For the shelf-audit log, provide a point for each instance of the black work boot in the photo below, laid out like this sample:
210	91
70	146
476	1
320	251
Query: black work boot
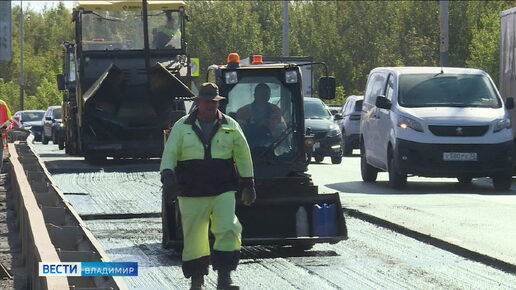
224	281
197	283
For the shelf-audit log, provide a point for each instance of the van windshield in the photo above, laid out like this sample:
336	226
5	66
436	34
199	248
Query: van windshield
447	90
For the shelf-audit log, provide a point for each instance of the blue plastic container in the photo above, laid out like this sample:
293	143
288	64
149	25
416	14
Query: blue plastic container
324	220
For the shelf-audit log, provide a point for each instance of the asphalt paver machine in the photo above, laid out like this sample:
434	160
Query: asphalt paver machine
289	209
122	77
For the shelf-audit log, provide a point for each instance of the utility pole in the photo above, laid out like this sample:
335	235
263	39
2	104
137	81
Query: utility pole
146	36
443	23
285	48
21	57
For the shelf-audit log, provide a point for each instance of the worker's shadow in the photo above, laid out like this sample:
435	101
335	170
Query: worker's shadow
153	255
146	254
274	252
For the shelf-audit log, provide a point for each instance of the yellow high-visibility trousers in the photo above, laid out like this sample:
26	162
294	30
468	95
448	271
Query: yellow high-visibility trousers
196	215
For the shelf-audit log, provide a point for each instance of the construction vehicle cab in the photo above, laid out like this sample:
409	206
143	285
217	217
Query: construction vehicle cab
123	77
287	200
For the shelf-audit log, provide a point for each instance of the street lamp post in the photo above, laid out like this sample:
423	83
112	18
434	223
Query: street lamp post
285	48
21	56
443	23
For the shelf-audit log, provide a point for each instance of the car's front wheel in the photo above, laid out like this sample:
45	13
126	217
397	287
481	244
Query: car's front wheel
336	159
347	149
44	139
54	136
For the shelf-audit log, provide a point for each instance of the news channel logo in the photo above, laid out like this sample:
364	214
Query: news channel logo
86	269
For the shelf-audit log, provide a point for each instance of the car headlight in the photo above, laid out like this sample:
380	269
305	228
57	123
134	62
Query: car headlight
405	123
27	127
61	125
502	124
334	130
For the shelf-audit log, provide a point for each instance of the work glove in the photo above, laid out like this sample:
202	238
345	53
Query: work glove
246	190
169	184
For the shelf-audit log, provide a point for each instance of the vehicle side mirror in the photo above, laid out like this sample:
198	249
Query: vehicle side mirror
60	82
509	103
48	118
333	112
383	103
338	116
327	88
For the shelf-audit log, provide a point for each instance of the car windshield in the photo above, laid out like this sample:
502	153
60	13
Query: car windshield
316	110
57	113
447	90
123	30
358	106
32	116
263	107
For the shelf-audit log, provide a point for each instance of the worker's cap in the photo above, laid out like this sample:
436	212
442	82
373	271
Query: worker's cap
209	91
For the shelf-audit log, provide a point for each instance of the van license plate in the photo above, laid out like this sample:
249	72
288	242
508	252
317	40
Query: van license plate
460	156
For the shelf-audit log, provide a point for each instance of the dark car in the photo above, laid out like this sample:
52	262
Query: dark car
334	109
30	120
327	135
52	125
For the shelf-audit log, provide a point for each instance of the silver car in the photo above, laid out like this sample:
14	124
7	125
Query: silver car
350	124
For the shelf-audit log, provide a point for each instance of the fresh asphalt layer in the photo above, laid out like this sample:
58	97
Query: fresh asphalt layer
373	257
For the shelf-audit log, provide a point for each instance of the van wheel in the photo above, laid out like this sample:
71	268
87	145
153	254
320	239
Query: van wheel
502	182
319	159
368	172
464	180
396	179
61	144
336	159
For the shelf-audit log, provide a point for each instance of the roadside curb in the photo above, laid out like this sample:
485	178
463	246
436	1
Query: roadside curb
436	242
50	216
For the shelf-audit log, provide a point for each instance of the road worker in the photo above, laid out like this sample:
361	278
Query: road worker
169	34
5	115
206	161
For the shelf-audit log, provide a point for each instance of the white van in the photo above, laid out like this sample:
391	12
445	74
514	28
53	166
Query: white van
435	122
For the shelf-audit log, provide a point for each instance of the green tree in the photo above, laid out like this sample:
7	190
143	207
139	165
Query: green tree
44	33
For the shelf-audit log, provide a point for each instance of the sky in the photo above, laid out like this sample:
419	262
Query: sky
38	5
